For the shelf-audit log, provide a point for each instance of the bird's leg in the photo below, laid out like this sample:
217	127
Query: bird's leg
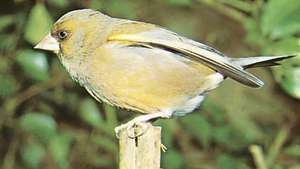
140	121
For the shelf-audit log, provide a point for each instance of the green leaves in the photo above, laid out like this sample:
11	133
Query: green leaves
179	2
186	29
7	85
5	21
121	8
32	155
41	126
253	35
59	147
96	4
38	25
295	167
59	3
287	74
225	161
172	159
34	64
281	18
198	126
169	129
293	150
89	112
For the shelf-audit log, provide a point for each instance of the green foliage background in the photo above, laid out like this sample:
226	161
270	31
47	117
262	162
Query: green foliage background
47	121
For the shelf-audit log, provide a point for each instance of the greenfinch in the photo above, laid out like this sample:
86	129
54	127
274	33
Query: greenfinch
143	67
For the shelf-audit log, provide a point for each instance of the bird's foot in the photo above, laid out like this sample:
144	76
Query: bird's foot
133	129
138	126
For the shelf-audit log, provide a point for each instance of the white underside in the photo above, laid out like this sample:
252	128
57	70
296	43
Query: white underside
189	106
194	102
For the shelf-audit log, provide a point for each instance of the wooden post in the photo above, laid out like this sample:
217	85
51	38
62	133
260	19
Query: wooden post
142	152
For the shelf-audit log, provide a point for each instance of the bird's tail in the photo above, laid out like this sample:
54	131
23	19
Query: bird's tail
259	61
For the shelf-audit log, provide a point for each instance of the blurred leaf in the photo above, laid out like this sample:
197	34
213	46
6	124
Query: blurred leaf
281	18
278	166
288	75
253	35
34	64
105	143
121	8
288	26
5	21
293	150
227	162
297	166
179	2
111	115
96	4
186	29
230	137
7	85
40	125
32	155
59	3
276	147
239	113
89	112
5	65
216	111
38	25
198	126
73	98
169	129
172	159
103	162
286	46
60	148
9	43
223	135
244	127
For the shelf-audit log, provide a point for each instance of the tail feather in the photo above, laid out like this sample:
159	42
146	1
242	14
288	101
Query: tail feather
260	61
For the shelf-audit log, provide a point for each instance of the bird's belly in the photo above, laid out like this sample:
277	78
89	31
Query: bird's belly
189	106
148	83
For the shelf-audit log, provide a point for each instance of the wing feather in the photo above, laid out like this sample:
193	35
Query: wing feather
192	50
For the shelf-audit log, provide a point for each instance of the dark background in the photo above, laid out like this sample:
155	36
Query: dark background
47	121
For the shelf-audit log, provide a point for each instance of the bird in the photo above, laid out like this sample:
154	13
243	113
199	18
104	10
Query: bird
143	67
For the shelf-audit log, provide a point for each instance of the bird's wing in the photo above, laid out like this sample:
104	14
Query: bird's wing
148	34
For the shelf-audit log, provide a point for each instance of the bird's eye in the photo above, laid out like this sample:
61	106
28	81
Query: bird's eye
62	35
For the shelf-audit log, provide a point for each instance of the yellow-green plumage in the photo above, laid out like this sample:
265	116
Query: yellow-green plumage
143	79
140	66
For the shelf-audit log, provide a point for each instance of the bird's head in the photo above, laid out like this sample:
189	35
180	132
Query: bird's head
74	32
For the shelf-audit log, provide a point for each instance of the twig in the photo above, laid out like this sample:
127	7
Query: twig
276	146
39	88
9	158
241	5
225	10
9	107
258	157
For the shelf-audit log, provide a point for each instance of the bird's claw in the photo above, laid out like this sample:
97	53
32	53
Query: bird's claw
163	148
118	130
133	129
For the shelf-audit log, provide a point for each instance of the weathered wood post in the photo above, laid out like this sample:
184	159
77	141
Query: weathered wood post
142	152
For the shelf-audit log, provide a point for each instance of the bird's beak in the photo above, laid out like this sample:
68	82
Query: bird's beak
48	43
